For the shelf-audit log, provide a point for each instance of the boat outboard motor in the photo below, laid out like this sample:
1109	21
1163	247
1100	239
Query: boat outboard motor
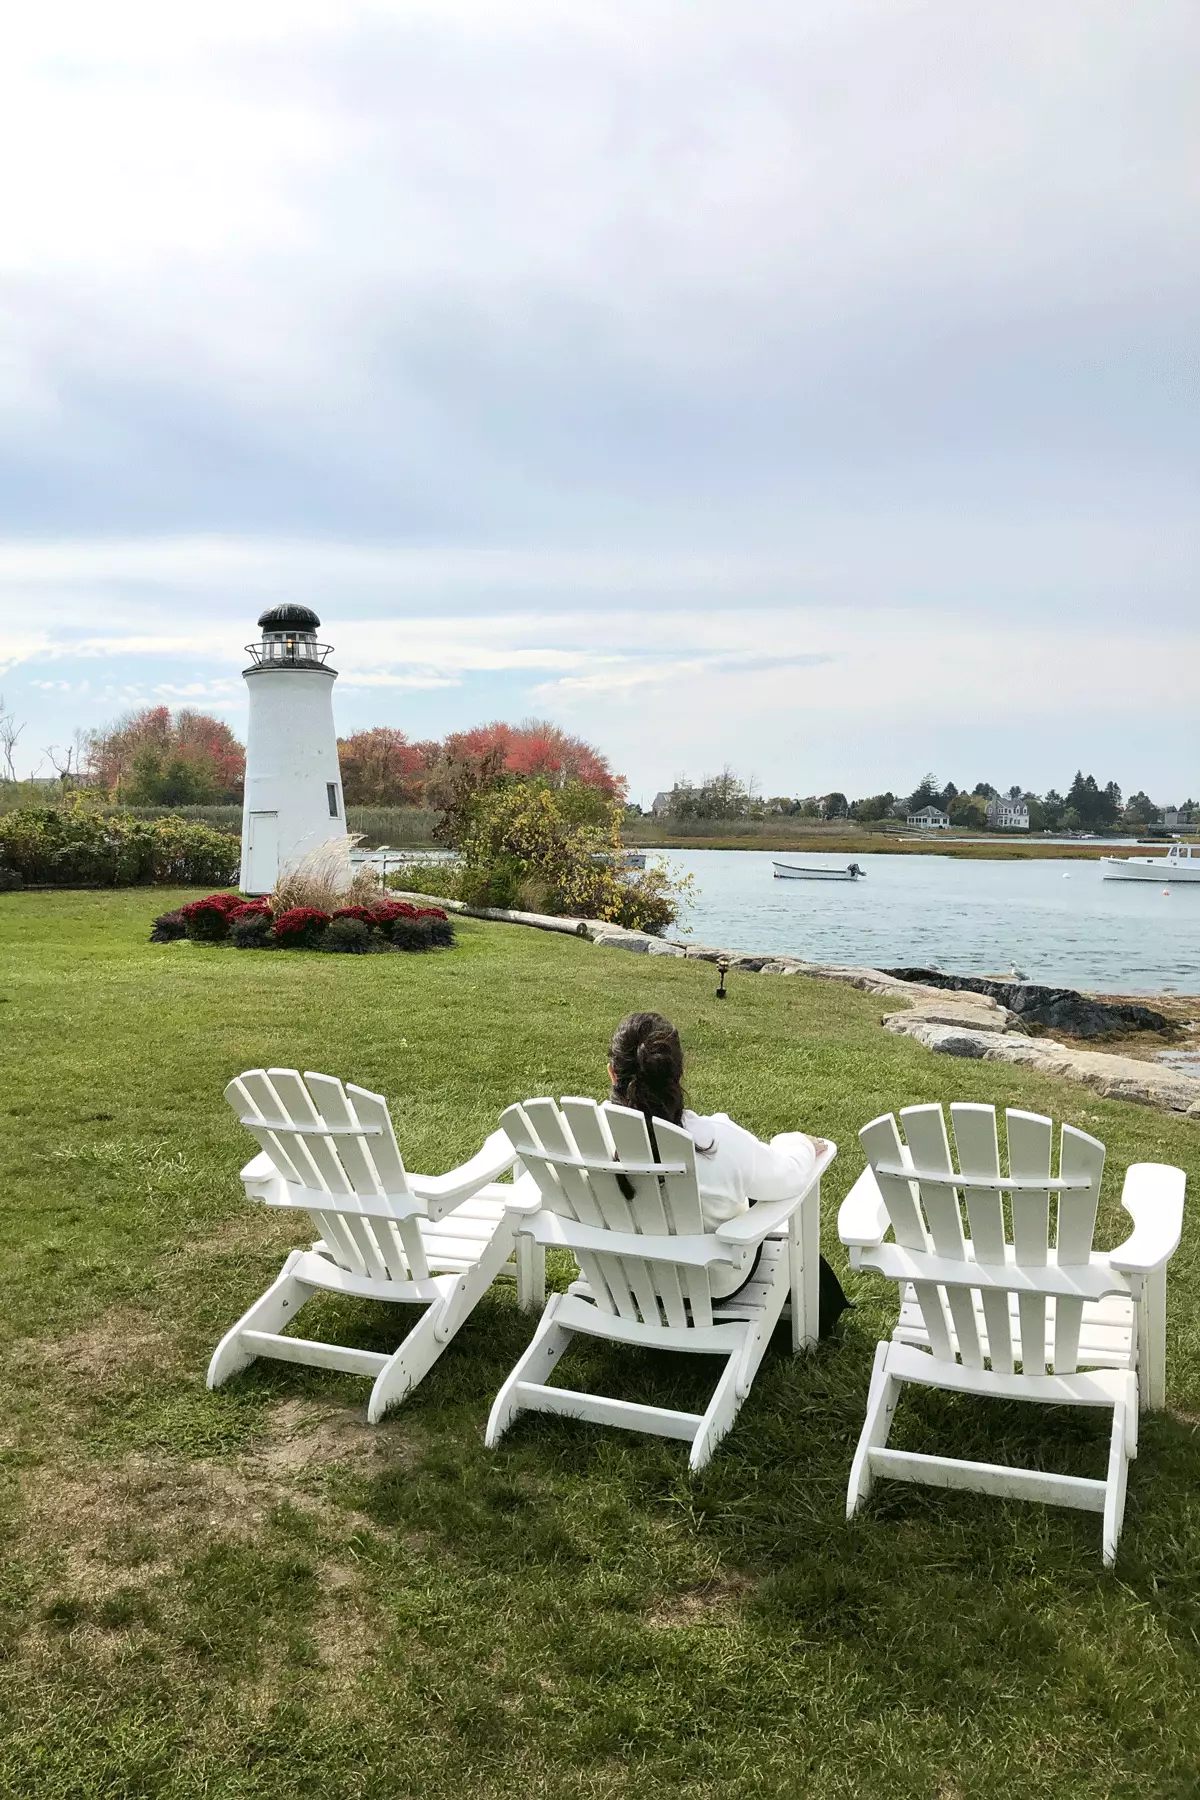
856	871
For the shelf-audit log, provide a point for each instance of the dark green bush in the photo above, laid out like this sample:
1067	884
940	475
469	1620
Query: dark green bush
10	881
350	937
168	927
76	846
251	930
421	934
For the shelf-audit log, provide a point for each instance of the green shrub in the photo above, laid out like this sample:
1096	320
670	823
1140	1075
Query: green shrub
251	929
77	846
421	933
532	846
349	937
168	927
443	878
10	881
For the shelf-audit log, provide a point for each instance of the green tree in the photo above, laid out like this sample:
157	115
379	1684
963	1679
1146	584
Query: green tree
968	810
545	848
876	806
1140	811
926	793
160	779
1096	808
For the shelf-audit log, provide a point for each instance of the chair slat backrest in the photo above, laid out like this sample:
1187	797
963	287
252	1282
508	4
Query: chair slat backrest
337	1144
926	1211
569	1151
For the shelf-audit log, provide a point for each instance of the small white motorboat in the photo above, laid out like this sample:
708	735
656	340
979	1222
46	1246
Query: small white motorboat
1180	864
806	872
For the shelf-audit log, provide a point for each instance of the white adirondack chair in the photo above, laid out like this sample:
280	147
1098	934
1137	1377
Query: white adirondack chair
1022	1287
646	1263
385	1234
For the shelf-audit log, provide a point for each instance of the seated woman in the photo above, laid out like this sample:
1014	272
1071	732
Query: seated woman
733	1167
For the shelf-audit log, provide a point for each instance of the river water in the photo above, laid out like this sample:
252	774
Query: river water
1057	921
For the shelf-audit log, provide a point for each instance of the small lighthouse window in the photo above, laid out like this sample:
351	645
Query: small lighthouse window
331	791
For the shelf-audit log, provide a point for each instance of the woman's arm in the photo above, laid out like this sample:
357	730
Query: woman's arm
777	1170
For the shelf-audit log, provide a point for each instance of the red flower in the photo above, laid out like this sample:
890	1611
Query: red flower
223	903
387	910
300	926
363	914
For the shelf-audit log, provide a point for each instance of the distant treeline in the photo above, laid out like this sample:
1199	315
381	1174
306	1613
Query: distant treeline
1086	806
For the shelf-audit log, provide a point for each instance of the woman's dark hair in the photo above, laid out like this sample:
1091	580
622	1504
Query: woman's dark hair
647	1065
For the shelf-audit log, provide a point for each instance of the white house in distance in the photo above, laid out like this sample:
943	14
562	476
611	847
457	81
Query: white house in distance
1007	815
930	818
293	780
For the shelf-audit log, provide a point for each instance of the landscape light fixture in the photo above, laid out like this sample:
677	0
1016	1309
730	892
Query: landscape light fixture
722	970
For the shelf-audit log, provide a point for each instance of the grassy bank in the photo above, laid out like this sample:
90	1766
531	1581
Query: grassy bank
251	1593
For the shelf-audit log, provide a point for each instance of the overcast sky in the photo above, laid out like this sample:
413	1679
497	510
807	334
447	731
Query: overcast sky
809	385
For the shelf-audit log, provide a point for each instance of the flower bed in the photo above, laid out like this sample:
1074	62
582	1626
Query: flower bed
349	930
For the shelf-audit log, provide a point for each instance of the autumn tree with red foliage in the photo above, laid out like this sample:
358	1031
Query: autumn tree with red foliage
151	757
381	768
535	747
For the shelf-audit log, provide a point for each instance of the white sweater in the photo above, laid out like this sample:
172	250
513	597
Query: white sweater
741	1168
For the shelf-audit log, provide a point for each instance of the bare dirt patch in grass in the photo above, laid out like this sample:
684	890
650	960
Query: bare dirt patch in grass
704	1602
124	1341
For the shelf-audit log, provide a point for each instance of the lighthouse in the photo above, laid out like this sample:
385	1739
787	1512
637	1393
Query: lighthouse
293	782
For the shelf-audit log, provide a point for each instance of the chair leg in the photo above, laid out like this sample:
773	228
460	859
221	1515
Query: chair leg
549	1342
1152	1340
277	1308
1118	1472
804	1262
408	1365
719	1415
531	1274
881	1409
473	1284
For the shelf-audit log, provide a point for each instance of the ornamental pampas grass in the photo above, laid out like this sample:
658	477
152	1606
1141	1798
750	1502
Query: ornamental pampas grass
326	879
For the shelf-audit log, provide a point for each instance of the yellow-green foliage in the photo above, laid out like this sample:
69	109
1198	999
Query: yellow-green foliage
558	850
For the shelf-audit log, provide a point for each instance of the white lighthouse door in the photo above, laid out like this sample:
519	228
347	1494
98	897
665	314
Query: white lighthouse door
263	872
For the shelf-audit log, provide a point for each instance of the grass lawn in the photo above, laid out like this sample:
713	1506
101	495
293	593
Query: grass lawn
254	1593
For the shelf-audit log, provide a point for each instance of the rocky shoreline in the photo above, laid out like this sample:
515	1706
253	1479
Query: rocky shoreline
950	1021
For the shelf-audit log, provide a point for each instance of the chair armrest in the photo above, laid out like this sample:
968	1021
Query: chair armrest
766	1217
759	1221
446	1191
260	1177
862	1216
520	1196
1153	1198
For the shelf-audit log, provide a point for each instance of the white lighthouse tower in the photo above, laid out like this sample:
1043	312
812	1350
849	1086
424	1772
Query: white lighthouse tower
293	781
